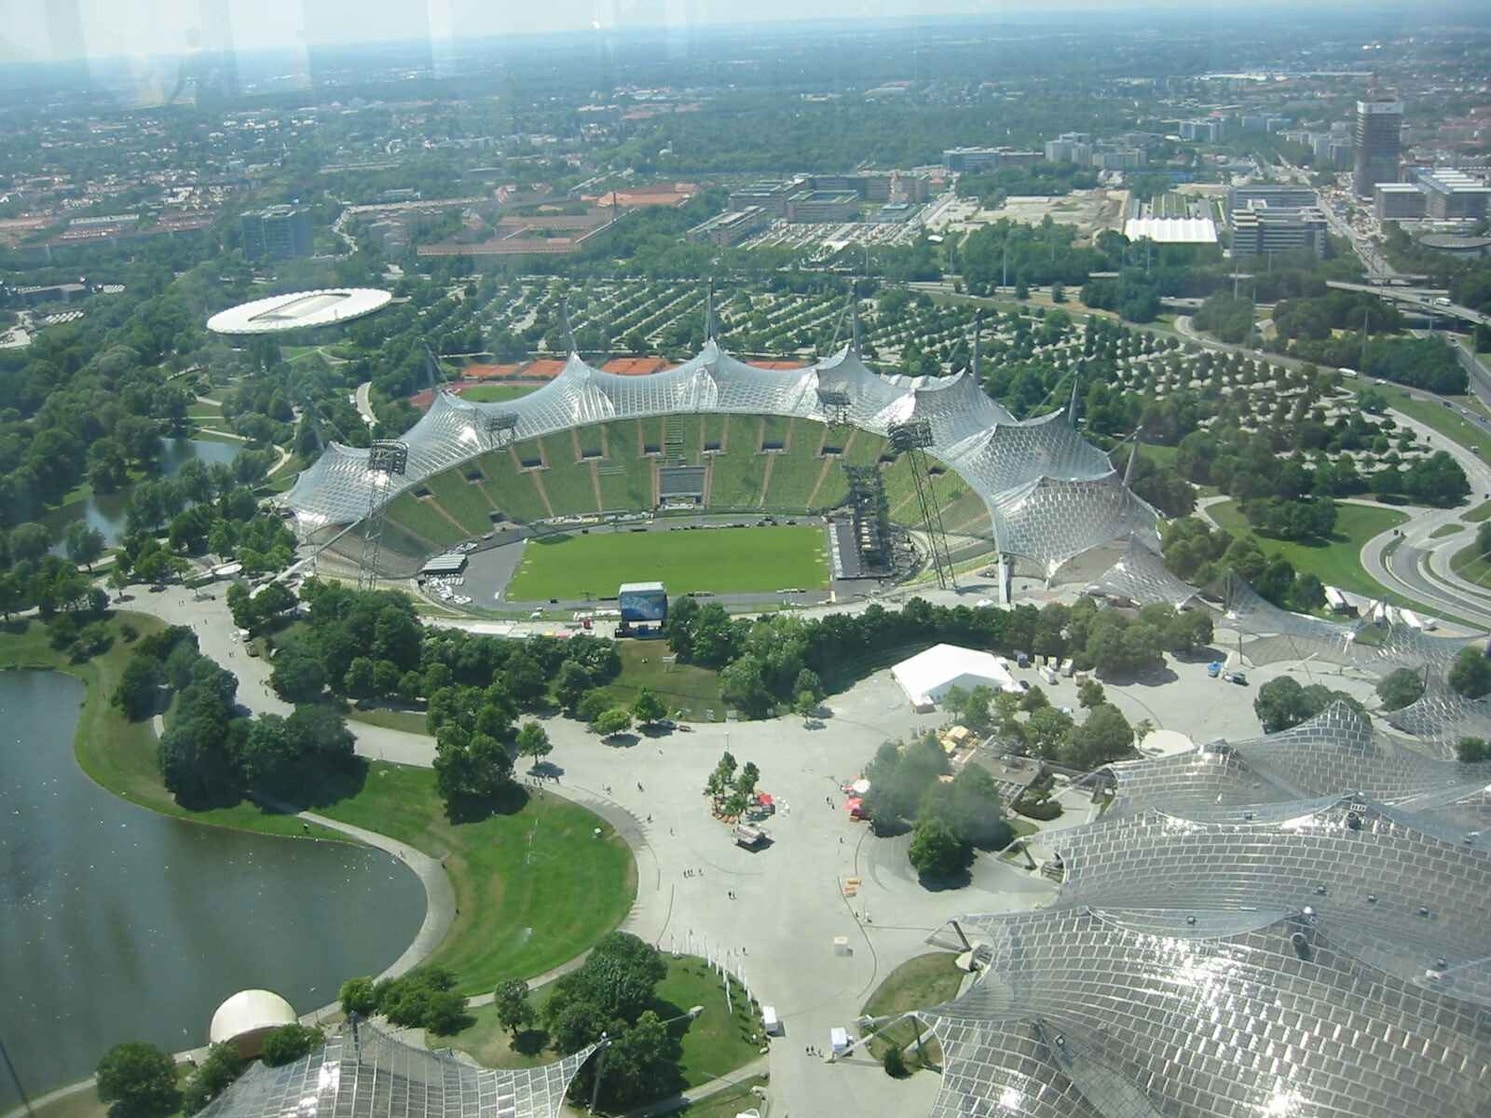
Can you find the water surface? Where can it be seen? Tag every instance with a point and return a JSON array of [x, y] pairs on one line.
[[120, 924]]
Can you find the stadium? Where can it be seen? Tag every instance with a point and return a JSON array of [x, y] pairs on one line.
[[299, 310], [896, 464]]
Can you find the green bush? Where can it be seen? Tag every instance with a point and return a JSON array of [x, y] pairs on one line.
[[289, 1043], [895, 1062], [1044, 810]]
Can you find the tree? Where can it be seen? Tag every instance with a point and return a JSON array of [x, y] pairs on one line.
[[139, 691], [592, 705], [572, 684], [749, 777], [214, 1075], [357, 997], [533, 741], [1282, 703], [514, 1011], [1470, 674], [647, 708], [1090, 694], [138, 1080], [471, 770], [84, 543], [289, 1043], [612, 722], [1400, 688], [297, 675], [936, 851], [1105, 736], [894, 1061], [722, 779], [1472, 750]]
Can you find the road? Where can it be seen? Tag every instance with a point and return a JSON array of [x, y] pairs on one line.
[[1414, 562], [1417, 298], [364, 404]]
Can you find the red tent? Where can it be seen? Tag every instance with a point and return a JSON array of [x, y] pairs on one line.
[[855, 807]]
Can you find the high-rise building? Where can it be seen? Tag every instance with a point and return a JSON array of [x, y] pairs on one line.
[[277, 233], [1379, 132], [1259, 232]]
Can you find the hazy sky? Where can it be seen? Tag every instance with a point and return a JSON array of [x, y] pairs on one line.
[[45, 30]]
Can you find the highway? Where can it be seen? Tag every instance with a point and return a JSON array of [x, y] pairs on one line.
[[1416, 298]]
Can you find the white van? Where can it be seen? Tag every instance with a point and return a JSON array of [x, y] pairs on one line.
[[770, 1021]]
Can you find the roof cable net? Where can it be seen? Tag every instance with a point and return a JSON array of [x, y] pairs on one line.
[[1050, 494]]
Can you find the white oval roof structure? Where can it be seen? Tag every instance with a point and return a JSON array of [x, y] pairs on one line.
[[248, 1012], [299, 310]]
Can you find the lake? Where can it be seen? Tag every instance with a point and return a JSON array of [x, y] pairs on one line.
[[106, 511], [121, 924]]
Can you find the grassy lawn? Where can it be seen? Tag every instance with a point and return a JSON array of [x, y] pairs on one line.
[[1336, 563], [1468, 565], [410, 721], [1446, 421], [1478, 514], [712, 1045], [1446, 530], [717, 1041], [725, 560], [729, 1102], [491, 393], [918, 983], [683, 686], [119, 754], [79, 1104], [534, 887]]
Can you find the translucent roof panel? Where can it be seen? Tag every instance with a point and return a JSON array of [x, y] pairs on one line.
[[1050, 494], [1279, 1020], [363, 1072]]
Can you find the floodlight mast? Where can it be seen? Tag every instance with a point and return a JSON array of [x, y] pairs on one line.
[[387, 458], [501, 429], [911, 439], [834, 404]]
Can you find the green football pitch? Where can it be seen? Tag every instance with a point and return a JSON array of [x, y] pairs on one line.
[[721, 560]]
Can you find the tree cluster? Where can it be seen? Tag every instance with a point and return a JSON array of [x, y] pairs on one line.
[[730, 791], [211, 754], [1283, 702], [949, 818], [763, 660], [615, 992], [424, 998]]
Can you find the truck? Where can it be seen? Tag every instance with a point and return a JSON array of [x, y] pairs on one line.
[[750, 837], [1067, 667]]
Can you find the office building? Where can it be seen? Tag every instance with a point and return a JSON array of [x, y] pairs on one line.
[[1398, 201], [971, 160], [823, 206], [1120, 159], [770, 195], [1209, 131], [1452, 195], [1379, 130], [1275, 196], [1263, 232], [730, 228], [277, 233]]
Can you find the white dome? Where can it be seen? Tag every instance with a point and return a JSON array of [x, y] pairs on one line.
[[248, 1012]]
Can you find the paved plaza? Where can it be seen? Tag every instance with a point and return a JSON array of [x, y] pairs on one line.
[[775, 914]]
